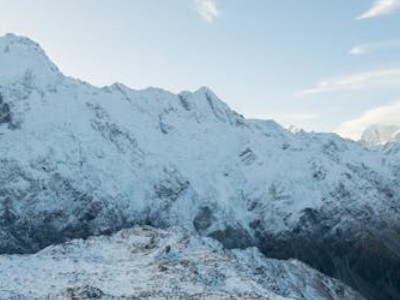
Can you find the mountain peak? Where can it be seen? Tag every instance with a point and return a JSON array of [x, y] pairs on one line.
[[204, 100], [23, 60], [379, 134], [13, 38]]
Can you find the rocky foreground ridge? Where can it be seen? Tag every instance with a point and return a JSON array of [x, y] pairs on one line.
[[148, 263]]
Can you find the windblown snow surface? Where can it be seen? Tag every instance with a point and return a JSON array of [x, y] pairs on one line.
[[78, 161]]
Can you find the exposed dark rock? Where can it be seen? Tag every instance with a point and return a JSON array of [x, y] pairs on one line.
[[5, 112], [86, 292], [172, 187], [232, 237], [164, 126], [204, 219], [28, 232], [247, 156], [183, 98], [359, 258]]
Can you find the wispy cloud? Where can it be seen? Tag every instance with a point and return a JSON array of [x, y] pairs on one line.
[[379, 8], [358, 81], [382, 115], [208, 9], [368, 48]]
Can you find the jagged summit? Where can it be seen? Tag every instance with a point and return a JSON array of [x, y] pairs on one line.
[[77, 161]]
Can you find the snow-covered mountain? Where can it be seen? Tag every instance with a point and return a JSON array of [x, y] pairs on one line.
[[381, 134], [77, 161], [145, 263]]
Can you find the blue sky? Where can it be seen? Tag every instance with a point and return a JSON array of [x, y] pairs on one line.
[[320, 65]]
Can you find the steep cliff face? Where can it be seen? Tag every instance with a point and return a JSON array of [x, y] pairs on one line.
[[77, 161]]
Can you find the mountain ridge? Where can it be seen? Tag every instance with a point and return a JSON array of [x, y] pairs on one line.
[[79, 161]]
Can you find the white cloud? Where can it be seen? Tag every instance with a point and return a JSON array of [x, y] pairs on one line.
[[379, 8], [357, 81], [207, 9], [368, 48], [382, 115]]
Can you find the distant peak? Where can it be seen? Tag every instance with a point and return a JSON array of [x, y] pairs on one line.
[[204, 100], [379, 134], [294, 129], [119, 86], [205, 90], [205, 93]]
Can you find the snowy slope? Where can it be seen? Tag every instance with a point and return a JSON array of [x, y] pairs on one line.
[[147, 263], [78, 160]]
